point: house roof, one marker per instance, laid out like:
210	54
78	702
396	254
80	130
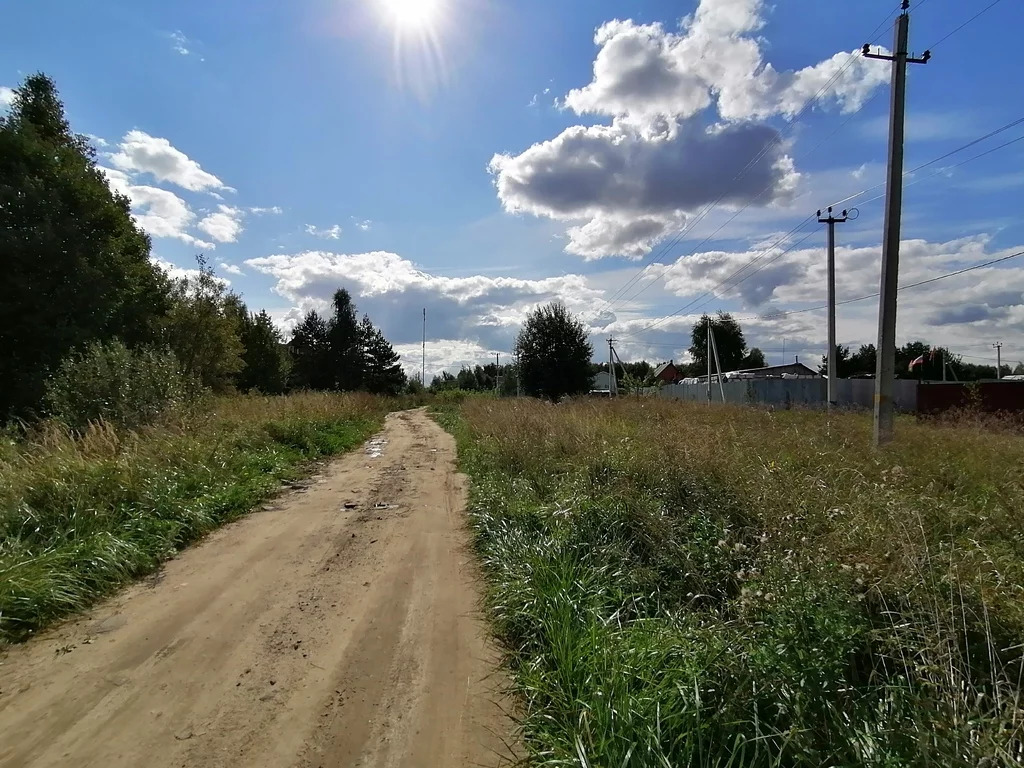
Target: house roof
662	368
768	370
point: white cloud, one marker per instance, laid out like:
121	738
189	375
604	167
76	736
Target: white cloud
6	96
625	186
230	268
159	212
181	44
274	209
177	273
628	191
363	224
225	225
139	152
328	233
393	291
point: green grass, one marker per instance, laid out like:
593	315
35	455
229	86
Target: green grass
82	515
677	585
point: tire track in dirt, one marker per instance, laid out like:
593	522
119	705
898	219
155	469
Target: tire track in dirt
338	627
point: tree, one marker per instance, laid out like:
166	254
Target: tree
202	328
443	382
76	266
311	353
265	359
382	371
1019	370
553	353
753	359
345	342
863	361
728	338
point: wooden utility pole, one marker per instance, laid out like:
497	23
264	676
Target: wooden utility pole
885	371
423	368
831	359
496	364
999	359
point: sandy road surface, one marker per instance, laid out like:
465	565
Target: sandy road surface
337	628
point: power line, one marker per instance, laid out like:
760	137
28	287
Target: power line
713	292
979	13
909	286
757	158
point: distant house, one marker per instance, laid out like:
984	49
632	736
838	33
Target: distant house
775	371
601	382
667	372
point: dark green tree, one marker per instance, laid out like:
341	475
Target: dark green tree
863	361
265	359
443	382
465	379
76	266
728	338
554	353
753	359
311	354
843	364
382	367
345	343
203	328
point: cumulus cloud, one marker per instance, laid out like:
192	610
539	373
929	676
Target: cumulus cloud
139	152
681	134
644	73
957	312
630	190
332	232
159	212
224	225
363	225
179	42
232	269
478	309
6	96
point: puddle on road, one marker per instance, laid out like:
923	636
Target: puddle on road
375	447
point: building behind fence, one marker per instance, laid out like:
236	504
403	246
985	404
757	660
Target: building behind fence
794	392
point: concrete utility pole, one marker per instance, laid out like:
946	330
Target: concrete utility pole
611	368
831	359
709	359
423	369
718	364
496	364
999	359
885	371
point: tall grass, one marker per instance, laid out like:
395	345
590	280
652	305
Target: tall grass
83	513
678	585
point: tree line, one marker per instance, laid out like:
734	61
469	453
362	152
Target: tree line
83	299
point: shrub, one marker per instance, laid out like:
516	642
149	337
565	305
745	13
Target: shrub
110	382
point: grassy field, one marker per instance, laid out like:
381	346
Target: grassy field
678	585
82	515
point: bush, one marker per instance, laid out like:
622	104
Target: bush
110	382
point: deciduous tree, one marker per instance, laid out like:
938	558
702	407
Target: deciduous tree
553	353
728	338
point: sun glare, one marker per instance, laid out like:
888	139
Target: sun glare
412	14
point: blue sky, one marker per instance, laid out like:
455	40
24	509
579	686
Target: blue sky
477	157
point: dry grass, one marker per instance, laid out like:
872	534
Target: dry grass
81	514
901	572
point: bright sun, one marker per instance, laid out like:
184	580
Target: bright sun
412	14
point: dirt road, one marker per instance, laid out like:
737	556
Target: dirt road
339	627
